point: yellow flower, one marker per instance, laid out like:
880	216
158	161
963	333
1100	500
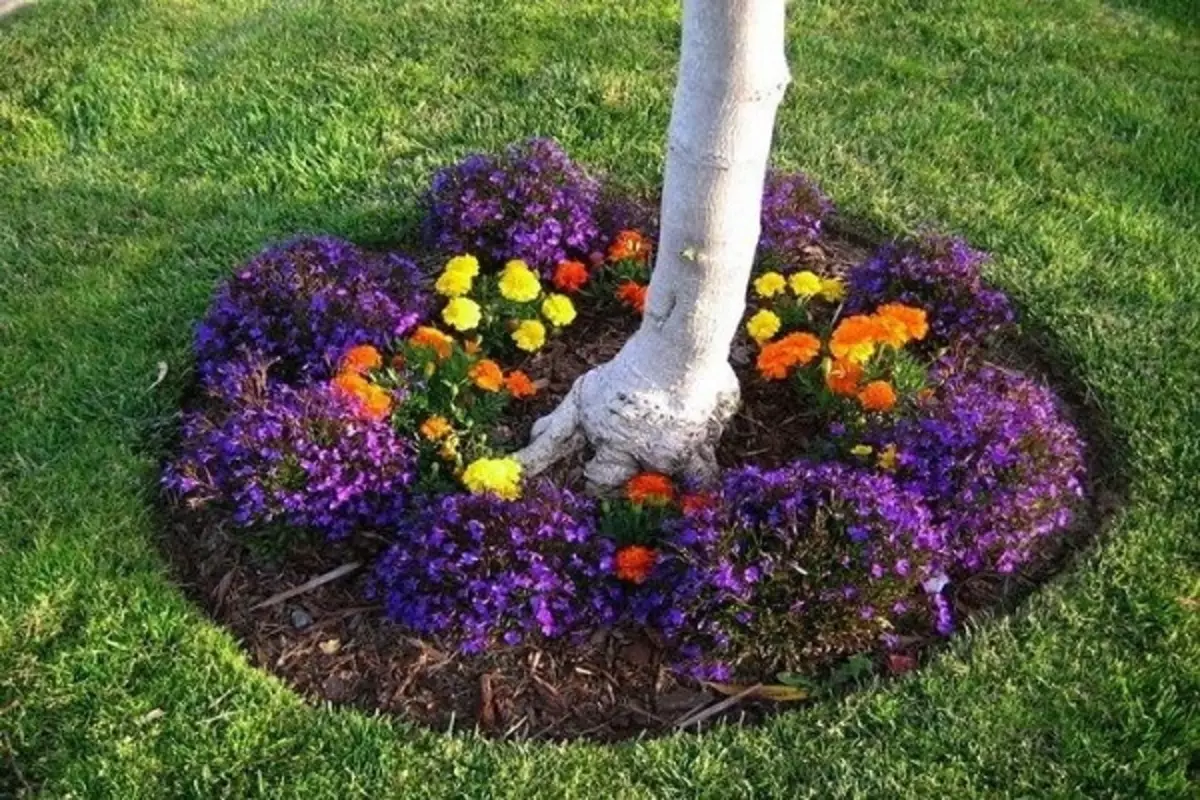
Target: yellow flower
763	325
501	476
559	309
453	283
464	265
887	459
530	335
861	450
832	290
449	448
519	283
805	284
770	284
461	313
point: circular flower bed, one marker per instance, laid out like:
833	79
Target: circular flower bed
357	413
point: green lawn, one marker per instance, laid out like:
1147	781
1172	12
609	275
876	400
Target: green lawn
148	146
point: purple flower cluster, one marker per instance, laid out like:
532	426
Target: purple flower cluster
940	274
477	570
794	210
301	305
532	203
804	563
996	461
294	457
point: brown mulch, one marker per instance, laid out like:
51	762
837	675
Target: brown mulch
332	645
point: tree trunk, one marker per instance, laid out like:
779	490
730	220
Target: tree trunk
663	401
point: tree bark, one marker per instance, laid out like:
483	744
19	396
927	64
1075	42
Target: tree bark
663	401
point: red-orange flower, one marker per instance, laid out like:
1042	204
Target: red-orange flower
778	358
843	377
633	294
519	385
360	359
629	245
570	276
635	562
486	374
434	339
650	488
878	396
914	320
691	503
372	401
854	338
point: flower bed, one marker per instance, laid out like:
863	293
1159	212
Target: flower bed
353	408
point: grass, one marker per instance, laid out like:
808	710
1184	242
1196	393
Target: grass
147	147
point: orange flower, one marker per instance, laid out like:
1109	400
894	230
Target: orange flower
435	428
632	294
635	562
650	488
878	396
854	338
843	377
914	320
434	339
691	503
777	358
360	359
570	276
486	375
519	385
373	401
890	331
628	245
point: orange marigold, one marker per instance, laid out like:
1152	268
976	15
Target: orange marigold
440	343
650	488
373	401
890	331
519	385
843	377
633	294
878	396
854	338
570	276
629	245
691	503
436	428
487	375
914	320
360	359
635	562
777	359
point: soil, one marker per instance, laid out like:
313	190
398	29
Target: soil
333	646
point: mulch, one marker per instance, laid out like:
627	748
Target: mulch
331	645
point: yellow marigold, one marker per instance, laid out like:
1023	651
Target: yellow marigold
453	283
832	289
878	396
449	448
887	458
519	283
914	320
487	375
805	284
360	359
763	325
462	313
854	339
501	476
433	339
530	335
770	284
559	309
436	428
466	265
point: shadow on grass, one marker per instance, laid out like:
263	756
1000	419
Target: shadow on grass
1184	14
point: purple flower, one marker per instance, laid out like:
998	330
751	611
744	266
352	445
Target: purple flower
300	306
294	457
477	570
794	210
531	202
939	274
